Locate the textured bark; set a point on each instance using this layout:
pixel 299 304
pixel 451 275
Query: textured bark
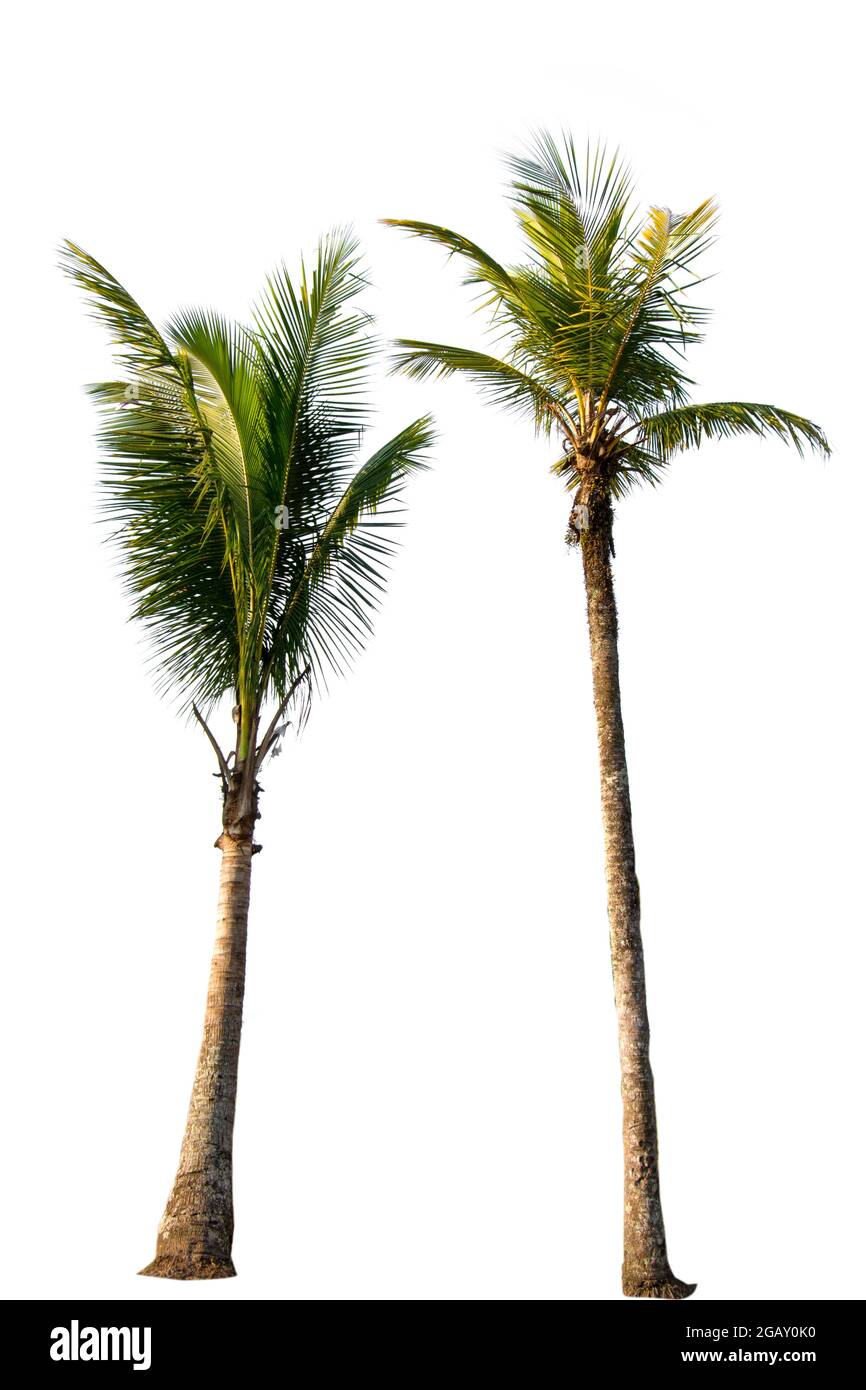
pixel 195 1233
pixel 645 1272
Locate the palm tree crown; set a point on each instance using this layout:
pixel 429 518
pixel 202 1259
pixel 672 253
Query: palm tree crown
pixel 253 546
pixel 592 329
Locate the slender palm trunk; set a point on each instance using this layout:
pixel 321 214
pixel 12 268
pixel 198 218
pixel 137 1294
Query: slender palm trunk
pixel 195 1233
pixel 645 1271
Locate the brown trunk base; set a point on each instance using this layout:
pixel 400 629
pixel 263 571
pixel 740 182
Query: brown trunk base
pixel 664 1288
pixel 189 1267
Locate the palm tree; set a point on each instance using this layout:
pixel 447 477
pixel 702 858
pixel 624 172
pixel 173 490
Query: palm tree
pixel 591 332
pixel 254 551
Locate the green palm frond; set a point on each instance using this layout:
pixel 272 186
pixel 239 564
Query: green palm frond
pixel 575 215
pixel 325 595
pixel 174 554
pixel 501 382
pixel 317 350
pixel 482 270
pixel 673 431
pixel 226 381
pixel 660 317
pixel 138 343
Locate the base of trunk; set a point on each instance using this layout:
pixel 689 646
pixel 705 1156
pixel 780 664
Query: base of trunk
pixel 189 1267
pixel 668 1287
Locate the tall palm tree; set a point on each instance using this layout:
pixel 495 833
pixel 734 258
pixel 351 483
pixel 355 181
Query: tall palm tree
pixel 254 550
pixel 591 332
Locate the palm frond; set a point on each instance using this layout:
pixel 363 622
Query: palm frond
pixel 672 431
pixel 173 558
pixel 226 381
pixel 482 270
pixel 324 597
pixel 575 216
pixel 138 343
pixel 502 382
pixel 316 349
pixel 658 314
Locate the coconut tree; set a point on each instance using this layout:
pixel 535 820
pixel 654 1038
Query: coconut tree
pixel 254 549
pixel 590 334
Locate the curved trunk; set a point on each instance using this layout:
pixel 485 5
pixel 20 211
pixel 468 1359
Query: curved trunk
pixel 645 1272
pixel 195 1233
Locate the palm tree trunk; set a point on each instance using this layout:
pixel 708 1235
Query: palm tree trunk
pixel 195 1234
pixel 645 1271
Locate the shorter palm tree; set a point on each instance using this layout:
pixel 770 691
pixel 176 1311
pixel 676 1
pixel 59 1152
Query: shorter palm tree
pixel 592 330
pixel 254 550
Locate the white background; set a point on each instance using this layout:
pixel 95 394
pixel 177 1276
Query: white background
pixel 429 1099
